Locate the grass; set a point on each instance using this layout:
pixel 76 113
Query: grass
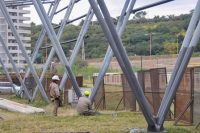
pixel 69 121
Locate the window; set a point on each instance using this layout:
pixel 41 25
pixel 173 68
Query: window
pixel 14 54
pixel 10 34
pixel 12 47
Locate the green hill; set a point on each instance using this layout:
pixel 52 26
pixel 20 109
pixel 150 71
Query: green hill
pixel 165 35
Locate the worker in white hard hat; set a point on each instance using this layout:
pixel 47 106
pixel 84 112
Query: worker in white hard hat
pixel 55 93
pixel 84 106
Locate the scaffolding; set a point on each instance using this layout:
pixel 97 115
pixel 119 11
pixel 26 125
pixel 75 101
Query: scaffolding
pixel 113 35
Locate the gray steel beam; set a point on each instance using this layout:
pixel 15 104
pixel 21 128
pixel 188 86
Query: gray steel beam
pixel 24 2
pixel 14 67
pixel 151 5
pixel 54 39
pixel 126 11
pixel 20 44
pixel 186 42
pixel 80 17
pixel 52 52
pixel 7 74
pixel 119 52
pixel 78 44
pixel 41 38
pixel 71 21
pixel 177 80
pixel 132 80
pixel 64 8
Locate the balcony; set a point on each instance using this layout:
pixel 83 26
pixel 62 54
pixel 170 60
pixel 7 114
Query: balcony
pixel 21 31
pixel 24 18
pixel 12 44
pixel 27 44
pixel 24 12
pixel 25 38
pixel 23 25
pixel 13 51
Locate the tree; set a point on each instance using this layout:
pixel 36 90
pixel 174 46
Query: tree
pixel 170 48
pixel 140 16
pixel 156 19
pixel 81 23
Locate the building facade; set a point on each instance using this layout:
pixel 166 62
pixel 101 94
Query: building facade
pixel 18 15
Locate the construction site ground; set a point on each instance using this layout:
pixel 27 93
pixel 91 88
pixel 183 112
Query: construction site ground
pixel 147 62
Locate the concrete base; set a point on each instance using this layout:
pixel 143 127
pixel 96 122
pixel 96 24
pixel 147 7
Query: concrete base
pixel 138 130
pixel 17 107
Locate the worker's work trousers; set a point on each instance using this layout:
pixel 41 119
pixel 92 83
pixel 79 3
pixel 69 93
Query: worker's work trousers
pixel 56 105
pixel 89 113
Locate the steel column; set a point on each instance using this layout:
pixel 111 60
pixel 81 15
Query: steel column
pixel 40 39
pixel 20 44
pixel 78 44
pixel 7 74
pixel 52 52
pixel 186 42
pixel 110 33
pixel 179 75
pixel 109 54
pixel 14 67
pixel 56 44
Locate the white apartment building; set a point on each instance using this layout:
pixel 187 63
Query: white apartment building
pixel 17 14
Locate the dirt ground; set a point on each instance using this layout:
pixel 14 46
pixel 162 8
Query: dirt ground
pixel 148 62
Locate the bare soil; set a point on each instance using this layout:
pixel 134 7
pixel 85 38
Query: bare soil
pixel 147 62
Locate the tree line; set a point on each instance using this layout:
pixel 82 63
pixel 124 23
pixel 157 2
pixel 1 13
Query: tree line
pixel 143 36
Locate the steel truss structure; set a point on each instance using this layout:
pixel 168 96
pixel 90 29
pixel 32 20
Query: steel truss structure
pixel 113 35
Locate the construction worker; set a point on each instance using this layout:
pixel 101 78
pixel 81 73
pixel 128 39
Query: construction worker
pixel 55 93
pixel 84 106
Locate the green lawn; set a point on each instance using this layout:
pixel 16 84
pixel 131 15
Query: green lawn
pixel 69 121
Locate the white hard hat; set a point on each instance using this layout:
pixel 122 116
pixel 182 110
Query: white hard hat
pixel 55 77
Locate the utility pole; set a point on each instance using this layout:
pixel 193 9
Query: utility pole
pixel 46 51
pixel 150 43
pixel 83 51
pixel 177 50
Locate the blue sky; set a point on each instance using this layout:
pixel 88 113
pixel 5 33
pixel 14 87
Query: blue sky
pixel 175 7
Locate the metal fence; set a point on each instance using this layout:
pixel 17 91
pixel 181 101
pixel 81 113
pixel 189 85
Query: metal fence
pixel 196 96
pixel 120 96
pixel 31 84
pixel 187 100
pixel 154 82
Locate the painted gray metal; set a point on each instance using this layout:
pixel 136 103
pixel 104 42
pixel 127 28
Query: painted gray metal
pixel 64 8
pixel 186 42
pixel 52 35
pixel 123 19
pixel 25 2
pixel 78 44
pixel 52 52
pixel 39 44
pixel 21 47
pixel 14 67
pixel 41 38
pixel 179 74
pixel 151 5
pixel 7 74
pixel 180 65
pixel 116 45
